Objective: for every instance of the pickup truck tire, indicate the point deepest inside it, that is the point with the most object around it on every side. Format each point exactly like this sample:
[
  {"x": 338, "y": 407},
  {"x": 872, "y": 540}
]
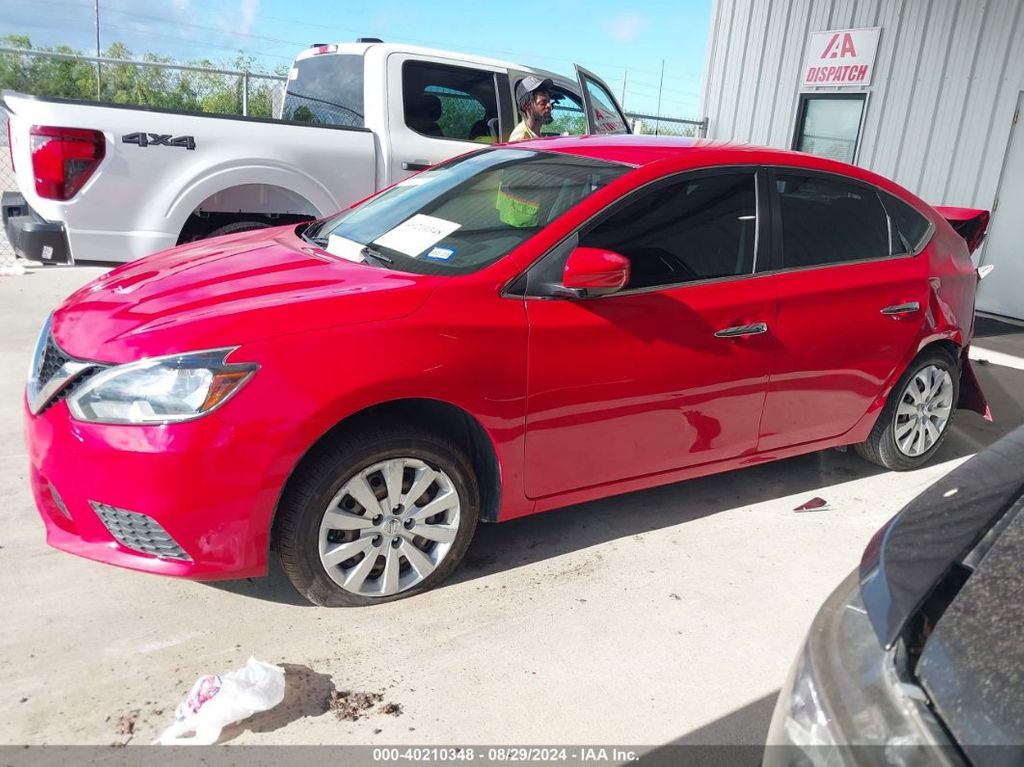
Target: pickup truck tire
[
  {"x": 362, "y": 497},
  {"x": 237, "y": 226},
  {"x": 916, "y": 417}
]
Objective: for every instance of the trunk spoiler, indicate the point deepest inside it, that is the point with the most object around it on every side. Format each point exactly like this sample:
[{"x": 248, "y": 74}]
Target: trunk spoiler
[{"x": 969, "y": 223}]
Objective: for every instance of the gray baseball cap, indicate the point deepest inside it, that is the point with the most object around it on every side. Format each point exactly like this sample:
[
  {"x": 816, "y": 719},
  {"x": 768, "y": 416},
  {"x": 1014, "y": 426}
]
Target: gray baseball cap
[{"x": 528, "y": 85}]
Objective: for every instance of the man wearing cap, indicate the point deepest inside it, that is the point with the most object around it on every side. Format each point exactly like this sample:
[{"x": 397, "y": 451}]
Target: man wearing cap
[{"x": 533, "y": 97}]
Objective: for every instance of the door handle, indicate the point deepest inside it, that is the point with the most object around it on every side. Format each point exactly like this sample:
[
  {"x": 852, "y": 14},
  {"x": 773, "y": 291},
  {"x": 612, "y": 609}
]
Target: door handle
[
  {"x": 415, "y": 166},
  {"x": 908, "y": 308},
  {"x": 753, "y": 329}
]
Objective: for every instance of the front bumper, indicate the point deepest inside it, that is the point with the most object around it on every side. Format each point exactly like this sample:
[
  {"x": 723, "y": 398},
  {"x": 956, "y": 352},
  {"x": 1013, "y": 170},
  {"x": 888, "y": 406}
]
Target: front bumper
[
  {"x": 31, "y": 236},
  {"x": 203, "y": 485}
]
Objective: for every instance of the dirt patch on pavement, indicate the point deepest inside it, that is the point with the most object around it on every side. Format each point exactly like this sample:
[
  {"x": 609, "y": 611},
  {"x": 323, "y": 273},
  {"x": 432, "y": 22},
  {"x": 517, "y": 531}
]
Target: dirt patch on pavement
[{"x": 351, "y": 706}]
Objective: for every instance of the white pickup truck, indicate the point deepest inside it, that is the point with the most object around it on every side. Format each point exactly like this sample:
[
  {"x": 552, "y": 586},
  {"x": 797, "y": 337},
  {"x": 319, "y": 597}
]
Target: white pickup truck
[{"x": 111, "y": 183}]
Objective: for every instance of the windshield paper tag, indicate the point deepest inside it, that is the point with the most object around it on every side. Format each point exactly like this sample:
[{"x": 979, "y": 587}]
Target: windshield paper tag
[
  {"x": 342, "y": 247},
  {"x": 441, "y": 253},
  {"x": 416, "y": 234}
]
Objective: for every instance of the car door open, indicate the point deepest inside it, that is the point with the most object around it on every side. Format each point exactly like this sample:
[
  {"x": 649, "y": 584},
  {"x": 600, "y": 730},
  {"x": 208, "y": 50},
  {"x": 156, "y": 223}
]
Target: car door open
[{"x": 604, "y": 115}]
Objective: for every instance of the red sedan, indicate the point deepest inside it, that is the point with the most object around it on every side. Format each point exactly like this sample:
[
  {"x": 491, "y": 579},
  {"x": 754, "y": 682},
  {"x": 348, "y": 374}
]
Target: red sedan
[{"x": 518, "y": 329}]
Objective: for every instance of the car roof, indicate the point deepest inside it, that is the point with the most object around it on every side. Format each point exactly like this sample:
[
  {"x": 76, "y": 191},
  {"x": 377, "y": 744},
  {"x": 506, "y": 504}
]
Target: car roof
[{"x": 696, "y": 152}]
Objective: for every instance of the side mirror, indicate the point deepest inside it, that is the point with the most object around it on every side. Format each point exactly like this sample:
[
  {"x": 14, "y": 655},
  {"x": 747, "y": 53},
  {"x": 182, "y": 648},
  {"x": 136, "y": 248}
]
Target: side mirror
[{"x": 595, "y": 272}]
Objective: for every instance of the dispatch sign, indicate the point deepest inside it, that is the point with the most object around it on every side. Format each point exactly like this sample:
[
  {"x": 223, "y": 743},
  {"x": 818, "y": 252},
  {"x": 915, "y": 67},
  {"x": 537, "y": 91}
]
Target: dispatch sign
[{"x": 841, "y": 57}]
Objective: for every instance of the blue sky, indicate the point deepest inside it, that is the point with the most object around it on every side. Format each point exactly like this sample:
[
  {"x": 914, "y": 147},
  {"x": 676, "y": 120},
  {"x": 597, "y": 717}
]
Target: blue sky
[{"x": 610, "y": 38}]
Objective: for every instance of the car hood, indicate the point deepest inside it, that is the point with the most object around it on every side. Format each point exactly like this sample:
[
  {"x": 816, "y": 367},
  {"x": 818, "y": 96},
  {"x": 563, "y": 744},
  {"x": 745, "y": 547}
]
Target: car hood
[
  {"x": 972, "y": 666},
  {"x": 226, "y": 292},
  {"x": 935, "y": 531}
]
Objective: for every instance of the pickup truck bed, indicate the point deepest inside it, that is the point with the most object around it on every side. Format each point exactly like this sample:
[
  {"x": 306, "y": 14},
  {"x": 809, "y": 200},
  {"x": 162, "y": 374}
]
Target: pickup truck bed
[{"x": 165, "y": 166}]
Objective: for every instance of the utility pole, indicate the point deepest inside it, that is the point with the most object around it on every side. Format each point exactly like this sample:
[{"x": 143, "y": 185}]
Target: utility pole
[
  {"x": 96, "y": 7},
  {"x": 660, "y": 84},
  {"x": 622, "y": 101}
]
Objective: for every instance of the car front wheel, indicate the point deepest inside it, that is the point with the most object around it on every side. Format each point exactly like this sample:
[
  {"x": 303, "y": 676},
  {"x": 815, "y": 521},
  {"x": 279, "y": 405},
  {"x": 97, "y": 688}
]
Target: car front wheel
[
  {"x": 917, "y": 415},
  {"x": 377, "y": 517}
]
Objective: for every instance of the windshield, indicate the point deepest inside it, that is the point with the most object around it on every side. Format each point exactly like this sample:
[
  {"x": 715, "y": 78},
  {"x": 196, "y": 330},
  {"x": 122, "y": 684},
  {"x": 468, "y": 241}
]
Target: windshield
[
  {"x": 326, "y": 89},
  {"x": 465, "y": 214}
]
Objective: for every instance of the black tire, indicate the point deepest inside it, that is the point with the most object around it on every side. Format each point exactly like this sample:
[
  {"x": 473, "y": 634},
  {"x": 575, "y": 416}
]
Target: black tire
[
  {"x": 880, "y": 447},
  {"x": 235, "y": 227},
  {"x": 310, "y": 492}
]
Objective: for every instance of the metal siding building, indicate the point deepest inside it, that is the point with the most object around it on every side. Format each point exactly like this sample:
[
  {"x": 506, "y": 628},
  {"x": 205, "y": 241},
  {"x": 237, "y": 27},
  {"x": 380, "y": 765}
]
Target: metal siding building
[{"x": 937, "y": 117}]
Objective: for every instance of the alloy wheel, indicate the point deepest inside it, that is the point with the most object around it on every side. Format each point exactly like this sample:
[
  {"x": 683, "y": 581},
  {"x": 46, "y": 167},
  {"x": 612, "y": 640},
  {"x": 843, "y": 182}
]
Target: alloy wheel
[
  {"x": 924, "y": 409},
  {"x": 389, "y": 527}
]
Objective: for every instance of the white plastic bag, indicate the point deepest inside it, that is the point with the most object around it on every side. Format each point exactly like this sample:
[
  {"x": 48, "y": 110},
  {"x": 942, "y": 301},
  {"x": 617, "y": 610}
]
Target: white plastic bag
[{"x": 217, "y": 701}]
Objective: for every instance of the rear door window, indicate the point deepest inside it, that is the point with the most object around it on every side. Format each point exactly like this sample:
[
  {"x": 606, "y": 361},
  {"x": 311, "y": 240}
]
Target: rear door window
[
  {"x": 450, "y": 102},
  {"x": 829, "y": 221}
]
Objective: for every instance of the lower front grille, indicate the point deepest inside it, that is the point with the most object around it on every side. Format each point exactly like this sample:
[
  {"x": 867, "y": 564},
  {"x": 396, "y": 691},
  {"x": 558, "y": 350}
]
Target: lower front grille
[{"x": 139, "y": 532}]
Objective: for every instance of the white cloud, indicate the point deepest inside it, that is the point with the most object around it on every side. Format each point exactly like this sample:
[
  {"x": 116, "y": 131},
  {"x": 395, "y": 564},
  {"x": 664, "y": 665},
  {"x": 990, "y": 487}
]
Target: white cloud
[
  {"x": 626, "y": 26},
  {"x": 248, "y": 10}
]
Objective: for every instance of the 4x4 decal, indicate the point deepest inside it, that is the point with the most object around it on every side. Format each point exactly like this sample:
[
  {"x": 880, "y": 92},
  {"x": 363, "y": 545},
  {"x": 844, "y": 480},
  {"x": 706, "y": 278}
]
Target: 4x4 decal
[{"x": 159, "y": 139}]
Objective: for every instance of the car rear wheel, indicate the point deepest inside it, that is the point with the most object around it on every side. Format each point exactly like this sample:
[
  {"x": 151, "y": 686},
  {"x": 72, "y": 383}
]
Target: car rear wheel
[
  {"x": 377, "y": 517},
  {"x": 917, "y": 414}
]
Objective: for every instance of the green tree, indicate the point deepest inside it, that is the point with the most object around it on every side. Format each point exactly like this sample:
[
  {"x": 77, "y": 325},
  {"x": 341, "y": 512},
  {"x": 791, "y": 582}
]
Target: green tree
[{"x": 130, "y": 83}]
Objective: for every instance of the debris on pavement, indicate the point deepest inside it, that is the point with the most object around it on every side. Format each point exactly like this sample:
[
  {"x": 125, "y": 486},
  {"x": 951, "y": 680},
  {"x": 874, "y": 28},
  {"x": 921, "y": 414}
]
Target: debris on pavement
[
  {"x": 125, "y": 724},
  {"x": 392, "y": 709},
  {"x": 216, "y": 701},
  {"x": 815, "y": 504},
  {"x": 352, "y": 706}
]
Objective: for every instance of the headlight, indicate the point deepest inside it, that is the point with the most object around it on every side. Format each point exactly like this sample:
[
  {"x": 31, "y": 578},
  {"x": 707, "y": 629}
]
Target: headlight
[
  {"x": 844, "y": 690},
  {"x": 169, "y": 389}
]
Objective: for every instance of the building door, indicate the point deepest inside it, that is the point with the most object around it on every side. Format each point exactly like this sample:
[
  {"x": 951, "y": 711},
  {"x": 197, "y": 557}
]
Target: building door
[{"x": 1004, "y": 248}]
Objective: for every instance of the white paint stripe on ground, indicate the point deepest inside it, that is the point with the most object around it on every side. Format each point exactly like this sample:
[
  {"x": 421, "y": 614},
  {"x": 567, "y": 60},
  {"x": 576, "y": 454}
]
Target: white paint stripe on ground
[{"x": 980, "y": 354}]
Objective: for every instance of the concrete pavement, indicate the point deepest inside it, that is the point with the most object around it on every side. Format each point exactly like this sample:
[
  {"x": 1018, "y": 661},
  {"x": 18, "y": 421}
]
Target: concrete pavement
[{"x": 669, "y": 615}]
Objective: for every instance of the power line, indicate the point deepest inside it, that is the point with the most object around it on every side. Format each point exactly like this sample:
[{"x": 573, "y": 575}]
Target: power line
[
  {"x": 163, "y": 35},
  {"x": 518, "y": 56},
  {"x": 634, "y": 84},
  {"x": 299, "y": 45}
]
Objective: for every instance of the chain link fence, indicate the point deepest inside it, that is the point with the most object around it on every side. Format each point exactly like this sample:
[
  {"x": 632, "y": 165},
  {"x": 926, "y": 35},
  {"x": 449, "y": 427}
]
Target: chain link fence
[
  {"x": 8, "y": 261},
  {"x": 652, "y": 125},
  {"x": 146, "y": 83}
]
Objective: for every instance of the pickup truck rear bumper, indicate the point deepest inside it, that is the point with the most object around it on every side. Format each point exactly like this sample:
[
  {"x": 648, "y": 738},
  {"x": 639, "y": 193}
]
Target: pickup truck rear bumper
[{"x": 33, "y": 237}]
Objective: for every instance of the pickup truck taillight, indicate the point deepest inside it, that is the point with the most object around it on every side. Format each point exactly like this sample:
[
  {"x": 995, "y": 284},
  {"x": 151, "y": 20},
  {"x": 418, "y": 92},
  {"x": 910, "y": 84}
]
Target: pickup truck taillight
[{"x": 63, "y": 159}]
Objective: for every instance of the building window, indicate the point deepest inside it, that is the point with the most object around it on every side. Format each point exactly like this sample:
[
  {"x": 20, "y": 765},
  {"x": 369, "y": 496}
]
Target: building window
[{"x": 829, "y": 125}]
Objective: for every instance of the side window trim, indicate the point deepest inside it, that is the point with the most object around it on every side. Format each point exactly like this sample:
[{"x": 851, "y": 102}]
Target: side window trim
[
  {"x": 558, "y": 251},
  {"x": 777, "y": 256}
]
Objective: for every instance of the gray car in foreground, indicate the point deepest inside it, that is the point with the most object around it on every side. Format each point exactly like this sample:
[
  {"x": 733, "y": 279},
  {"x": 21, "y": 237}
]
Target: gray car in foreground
[{"x": 918, "y": 656}]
